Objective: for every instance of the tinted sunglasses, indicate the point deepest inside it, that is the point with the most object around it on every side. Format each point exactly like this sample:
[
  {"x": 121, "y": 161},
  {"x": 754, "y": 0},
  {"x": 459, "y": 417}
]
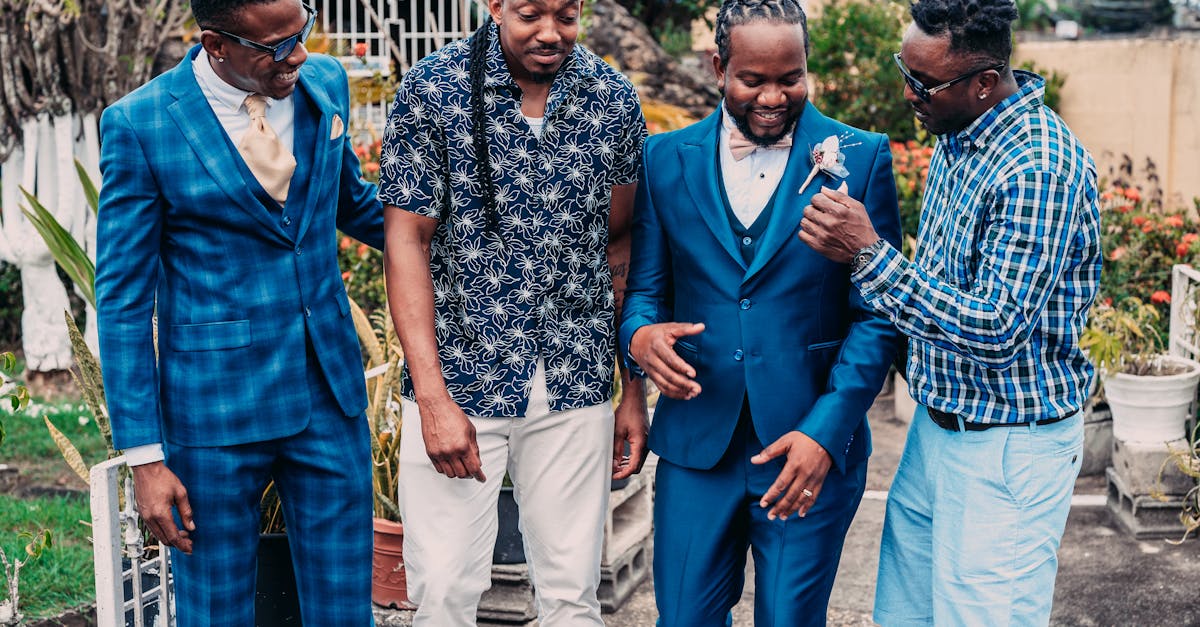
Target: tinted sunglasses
[
  {"x": 283, "y": 49},
  {"x": 925, "y": 93}
]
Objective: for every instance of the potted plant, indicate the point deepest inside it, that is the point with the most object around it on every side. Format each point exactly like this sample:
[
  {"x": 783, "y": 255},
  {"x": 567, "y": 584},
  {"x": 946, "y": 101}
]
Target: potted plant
[
  {"x": 1148, "y": 391},
  {"x": 1187, "y": 461},
  {"x": 381, "y": 347}
]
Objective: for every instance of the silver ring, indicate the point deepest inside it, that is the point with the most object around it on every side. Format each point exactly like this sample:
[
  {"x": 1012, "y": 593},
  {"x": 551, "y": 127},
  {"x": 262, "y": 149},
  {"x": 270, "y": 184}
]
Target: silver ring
[{"x": 807, "y": 492}]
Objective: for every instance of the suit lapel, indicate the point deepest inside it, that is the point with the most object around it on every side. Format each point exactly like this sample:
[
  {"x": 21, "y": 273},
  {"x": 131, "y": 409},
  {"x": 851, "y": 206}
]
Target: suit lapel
[
  {"x": 698, "y": 161},
  {"x": 789, "y": 205},
  {"x": 314, "y": 112},
  {"x": 198, "y": 124}
]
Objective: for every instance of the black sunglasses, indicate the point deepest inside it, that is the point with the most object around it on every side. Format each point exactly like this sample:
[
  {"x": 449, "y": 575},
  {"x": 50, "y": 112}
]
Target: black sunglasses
[
  {"x": 925, "y": 93},
  {"x": 283, "y": 49}
]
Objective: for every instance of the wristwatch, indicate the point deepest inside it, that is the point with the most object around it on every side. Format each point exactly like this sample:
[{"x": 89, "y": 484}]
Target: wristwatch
[{"x": 863, "y": 257}]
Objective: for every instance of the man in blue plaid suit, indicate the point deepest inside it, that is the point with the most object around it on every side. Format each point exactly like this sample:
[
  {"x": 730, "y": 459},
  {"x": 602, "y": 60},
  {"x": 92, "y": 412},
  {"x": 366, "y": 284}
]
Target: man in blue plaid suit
[{"x": 256, "y": 373}]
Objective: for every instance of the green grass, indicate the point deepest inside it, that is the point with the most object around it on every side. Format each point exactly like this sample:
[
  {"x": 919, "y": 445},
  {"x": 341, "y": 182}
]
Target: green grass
[
  {"x": 61, "y": 578},
  {"x": 28, "y": 445}
]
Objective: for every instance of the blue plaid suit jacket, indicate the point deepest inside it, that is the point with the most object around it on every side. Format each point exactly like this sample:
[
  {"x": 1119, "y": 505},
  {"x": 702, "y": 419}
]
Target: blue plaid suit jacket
[{"x": 242, "y": 292}]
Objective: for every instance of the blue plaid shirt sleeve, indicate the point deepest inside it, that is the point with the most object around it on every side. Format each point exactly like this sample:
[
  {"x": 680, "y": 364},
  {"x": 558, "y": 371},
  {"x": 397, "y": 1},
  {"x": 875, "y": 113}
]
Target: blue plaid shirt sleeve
[{"x": 1021, "y": 257}]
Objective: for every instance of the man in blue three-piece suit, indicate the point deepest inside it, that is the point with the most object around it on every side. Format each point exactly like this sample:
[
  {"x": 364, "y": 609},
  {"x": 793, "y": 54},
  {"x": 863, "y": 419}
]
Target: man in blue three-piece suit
[
  {"x": 766, "y": 357},
  {"x": 223, "y": 182}
]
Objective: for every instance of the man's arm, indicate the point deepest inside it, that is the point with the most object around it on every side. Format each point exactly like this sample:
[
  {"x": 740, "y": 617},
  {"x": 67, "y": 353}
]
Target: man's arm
[
  {"x": 822, "y": 437},
  {"x": 359, "y": 211},
  {"x": 631, "y": 424},
  {"x": 448, "y": 433},
  {"x": 129, "y": 231}
]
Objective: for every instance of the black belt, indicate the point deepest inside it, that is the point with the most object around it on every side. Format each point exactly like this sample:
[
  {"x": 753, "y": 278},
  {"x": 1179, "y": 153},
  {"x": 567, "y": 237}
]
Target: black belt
[{"x": 949, "y": 421}]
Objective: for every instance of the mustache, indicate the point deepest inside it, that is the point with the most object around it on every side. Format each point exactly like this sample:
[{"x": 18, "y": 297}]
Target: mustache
[{"x": 546, "y": 50}]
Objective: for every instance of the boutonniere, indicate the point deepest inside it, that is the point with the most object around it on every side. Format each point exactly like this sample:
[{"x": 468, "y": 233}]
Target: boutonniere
[{"x": 828, "y": 157}]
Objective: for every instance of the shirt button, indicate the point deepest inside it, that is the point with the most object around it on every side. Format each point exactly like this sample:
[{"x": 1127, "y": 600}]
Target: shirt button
[
  {"x": 762, "y": 175},
  {"x": 299, "y": 250},
  {"x": 744, "y": 303},
  {"x": 287, "y": 220},
  {"x": 747, "y": 240},
  {"x": 307, "y": 312},
  {"x": 738, "y": 355}
]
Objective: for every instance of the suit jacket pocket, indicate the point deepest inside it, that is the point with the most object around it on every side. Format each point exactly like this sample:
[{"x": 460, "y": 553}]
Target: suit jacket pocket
[
  {"x": 820, "y": 346},
  {"x": 210, "y": 336}
]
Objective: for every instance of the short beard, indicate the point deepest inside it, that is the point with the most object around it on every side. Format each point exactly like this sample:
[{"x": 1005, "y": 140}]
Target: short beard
[
  {"x": 543, "y": 78},
  {"x": 743, "y": 125}
]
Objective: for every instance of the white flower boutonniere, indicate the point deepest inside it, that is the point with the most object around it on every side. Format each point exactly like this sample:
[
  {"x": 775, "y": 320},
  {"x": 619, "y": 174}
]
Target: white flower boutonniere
[{"x": 828, "y": 157}]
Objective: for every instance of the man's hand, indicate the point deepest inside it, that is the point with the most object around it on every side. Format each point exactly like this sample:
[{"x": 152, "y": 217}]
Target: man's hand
[
  {"x": 799, "y": 483},
  {"x": 158, "y": 492},
  {"x": 631, "y": 431},
  {"x": 450, "y": 440},
  {"x": 837, "y": 226},
  {"x": 652, "y": 346}
]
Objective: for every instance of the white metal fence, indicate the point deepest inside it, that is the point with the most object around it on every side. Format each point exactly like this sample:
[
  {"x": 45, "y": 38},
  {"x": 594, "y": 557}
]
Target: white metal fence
[
  {"x": 394, "y": 34},
  {"x": 1185, "y": 281},
  {"x": 130, "y": 589}
]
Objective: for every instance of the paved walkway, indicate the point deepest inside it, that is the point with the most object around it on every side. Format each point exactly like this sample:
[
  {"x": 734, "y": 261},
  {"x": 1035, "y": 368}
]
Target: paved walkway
[{"x": 1105, "y": 576}]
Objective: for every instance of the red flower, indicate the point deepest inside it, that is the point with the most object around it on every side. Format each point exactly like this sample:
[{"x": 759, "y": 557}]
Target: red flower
[
  {"x": 371, "y": 167},
  {"x": 1108, "y": 301},
  {"x": 1161, "y": 297},
  {"x": 346, "y": 243},
  {"x": 363, "y": 249},
  {"x": 1133, "y": 194},
  {"x": 360, "y": 49},
  {"x": 1174, "y": 220},
  {"x": 1188, "y": 238},
  {"x": 346, "y": 275},
  {"x": 1139, "y": 220},
  {"x": 1118, "y": 253},
  {"x": 1181, "y": 249}
]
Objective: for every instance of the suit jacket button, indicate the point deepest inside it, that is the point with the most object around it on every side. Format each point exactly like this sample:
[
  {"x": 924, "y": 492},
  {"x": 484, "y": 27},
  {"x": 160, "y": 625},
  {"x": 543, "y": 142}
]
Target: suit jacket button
[
  {"x": 307, "y": 312},
  {"x": 744, "y": 303},
  {"x": 299, "y": 250},
  {"x": 738, "y": 355},
  {"x": 287, "y": 220}
]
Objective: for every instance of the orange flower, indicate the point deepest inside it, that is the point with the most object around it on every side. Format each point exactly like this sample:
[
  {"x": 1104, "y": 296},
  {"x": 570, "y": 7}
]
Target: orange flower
[
  {"x": 1149, "y": 228},
  {"x": 346, "y": 275},
  {"x": 360, "y": 49},
  {"x": 1181, "y": 249},
  {"x": 1188, "y": 238},
  {"x": 345, "y": 244},
  {"x": 1139, "y": 220},
  {"x": 1174, "y": 220},
  {"x": 1118, "y": 253},
  {"x": 1106, "y": 196},
  {"x": 1133, "y": 194},
  {"x": 371, "y": 167},
  {"x": 362, "y": 250},
  {"x": 1108, "y": 301},
  {"x": 1125, "y": 208},
  {"x": 912, "y": 185},
  {"x": 1161, "y": 297}
]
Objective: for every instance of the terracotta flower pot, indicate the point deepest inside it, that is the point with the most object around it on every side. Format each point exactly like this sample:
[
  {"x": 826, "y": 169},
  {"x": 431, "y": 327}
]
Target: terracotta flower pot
[{"x": 389, "y": 582}]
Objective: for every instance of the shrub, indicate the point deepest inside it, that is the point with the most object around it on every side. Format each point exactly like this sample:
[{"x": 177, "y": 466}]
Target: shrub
[{"x": 855, "y": 79}]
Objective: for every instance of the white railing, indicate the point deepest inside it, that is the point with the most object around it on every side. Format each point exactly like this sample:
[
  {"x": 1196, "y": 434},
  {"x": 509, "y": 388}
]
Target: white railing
[
  {"x": 117, "y": 548},
  {"x": 1185, "y": 280}
]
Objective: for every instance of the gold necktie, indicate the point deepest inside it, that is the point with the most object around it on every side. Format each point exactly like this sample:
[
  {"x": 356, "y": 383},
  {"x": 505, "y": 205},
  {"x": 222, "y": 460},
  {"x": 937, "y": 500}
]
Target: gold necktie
[{"x": 264, "y": 154}]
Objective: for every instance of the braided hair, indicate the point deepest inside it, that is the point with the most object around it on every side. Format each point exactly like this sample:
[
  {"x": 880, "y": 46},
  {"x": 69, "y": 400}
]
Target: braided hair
[
  {"x": 739, "y": 12},
  {"x": 477, "y": 68},
  {"x": 979, "y": 28}
]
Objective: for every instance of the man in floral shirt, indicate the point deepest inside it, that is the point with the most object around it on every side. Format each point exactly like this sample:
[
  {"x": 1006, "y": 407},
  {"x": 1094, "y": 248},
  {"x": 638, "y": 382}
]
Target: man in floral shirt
[{"x": 509, "y": 166}]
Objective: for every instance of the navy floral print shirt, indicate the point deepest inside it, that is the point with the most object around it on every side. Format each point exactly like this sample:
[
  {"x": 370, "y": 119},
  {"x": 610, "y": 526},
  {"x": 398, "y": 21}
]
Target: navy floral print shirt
[{"x": 538, "y": 283}]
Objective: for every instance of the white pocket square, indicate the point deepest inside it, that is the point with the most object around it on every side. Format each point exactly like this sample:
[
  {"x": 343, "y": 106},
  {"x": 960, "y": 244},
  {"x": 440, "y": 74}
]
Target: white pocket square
[{"x": 337, "y": 127}]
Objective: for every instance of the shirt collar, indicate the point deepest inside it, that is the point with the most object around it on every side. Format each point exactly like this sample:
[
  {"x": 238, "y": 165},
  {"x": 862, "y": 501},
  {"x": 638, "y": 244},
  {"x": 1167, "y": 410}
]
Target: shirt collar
[
  {"x": 1031, "y": 90},
  {"x": 222, "y": 92}
]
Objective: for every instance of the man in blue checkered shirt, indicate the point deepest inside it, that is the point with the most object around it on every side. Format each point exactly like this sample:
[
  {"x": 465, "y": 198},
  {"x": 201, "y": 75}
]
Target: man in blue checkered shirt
[{"x": 1007, "y": 265}]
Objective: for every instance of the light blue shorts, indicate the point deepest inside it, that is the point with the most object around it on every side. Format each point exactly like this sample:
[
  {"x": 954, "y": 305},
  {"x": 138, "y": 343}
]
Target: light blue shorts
[{"x": 974, "y": 520}]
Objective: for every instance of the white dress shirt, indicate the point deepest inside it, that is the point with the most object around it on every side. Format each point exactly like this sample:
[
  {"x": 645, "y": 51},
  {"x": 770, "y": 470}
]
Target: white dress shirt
[
  {"x": 749, "y": 183},
  {"x": 228, "y": 102}
]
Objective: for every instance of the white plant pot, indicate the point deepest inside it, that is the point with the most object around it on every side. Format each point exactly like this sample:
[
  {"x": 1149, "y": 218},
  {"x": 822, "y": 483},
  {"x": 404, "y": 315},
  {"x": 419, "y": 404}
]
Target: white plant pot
[{"x": 1152, "y": 409}]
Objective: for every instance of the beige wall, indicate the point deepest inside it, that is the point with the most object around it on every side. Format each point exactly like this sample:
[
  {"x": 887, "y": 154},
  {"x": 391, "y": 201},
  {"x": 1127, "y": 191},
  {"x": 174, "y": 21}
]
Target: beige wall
[{"x": 1132, "y": 96}]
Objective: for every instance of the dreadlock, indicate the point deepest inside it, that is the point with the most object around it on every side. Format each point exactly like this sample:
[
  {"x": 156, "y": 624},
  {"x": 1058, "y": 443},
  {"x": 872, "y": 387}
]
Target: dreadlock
[
  {"x": 980, "y": 28},
  {"x": 477, "y": 66},
  {"x": 739, "y": 12}
]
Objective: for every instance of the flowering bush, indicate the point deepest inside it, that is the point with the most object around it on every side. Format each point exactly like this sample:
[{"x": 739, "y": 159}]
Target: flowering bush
[
  {"x": 1142, "y": 240},
  {"x": 362, "y": 271},
  {"x": 910, "y": 165}
]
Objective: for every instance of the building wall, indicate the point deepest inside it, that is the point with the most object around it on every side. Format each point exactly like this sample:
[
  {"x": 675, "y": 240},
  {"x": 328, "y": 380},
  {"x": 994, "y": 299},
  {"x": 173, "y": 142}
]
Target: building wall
[{"x": 1134, "y": 96}]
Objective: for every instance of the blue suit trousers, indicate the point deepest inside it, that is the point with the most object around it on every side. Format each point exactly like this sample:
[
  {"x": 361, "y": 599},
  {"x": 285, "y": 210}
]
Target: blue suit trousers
[
  {"x": 705, "y": 520},
  {"x": 324, "y": 481}
]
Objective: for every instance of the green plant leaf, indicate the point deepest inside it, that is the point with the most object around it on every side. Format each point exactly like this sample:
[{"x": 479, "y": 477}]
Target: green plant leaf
[
  {"x": 69, "y": 452},
  {"x": 89, "y": 188},
  {"x": 90, "y": 381},
  {"x": 66, "y": 250}
]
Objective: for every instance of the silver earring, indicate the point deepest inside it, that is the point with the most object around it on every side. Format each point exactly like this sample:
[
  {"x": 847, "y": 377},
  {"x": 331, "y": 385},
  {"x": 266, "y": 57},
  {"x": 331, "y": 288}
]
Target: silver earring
[
  {"x": 219, "y": 60},
  {"x": 982, "y": 96}
]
